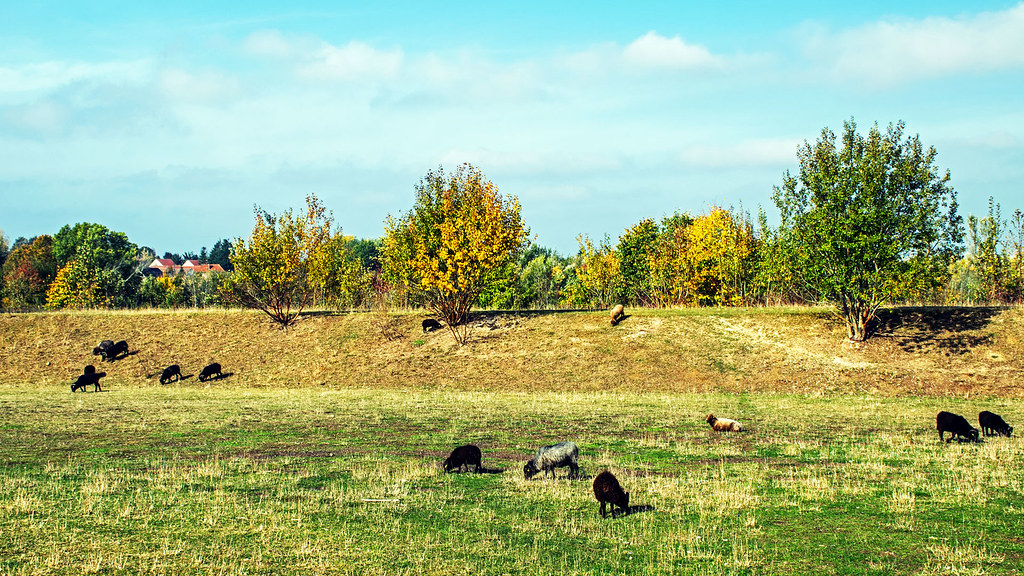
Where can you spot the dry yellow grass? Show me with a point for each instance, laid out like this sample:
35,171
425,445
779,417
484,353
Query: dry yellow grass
932,352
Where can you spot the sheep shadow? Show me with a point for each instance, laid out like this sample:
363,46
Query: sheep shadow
121,356
482,470
634,510
949,329
220,376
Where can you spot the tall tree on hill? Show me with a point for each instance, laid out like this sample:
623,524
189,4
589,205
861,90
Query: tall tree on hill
288,262
97,267
457,239
869,222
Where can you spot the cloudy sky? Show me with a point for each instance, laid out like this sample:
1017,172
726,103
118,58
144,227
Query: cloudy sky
170,122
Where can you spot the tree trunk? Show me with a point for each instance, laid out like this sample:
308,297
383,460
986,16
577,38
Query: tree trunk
857,314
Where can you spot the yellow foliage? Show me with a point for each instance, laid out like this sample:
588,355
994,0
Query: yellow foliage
703,263
459,233
287,261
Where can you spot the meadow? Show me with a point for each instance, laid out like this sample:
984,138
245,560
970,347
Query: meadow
340,473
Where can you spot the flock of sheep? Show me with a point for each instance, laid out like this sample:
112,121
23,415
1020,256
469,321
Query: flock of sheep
108,350
958,426
607,489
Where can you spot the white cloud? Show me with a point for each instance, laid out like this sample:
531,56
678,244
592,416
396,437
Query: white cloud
353,61
898,51
41,118
207,86
759,152
20,83
655,51
268,43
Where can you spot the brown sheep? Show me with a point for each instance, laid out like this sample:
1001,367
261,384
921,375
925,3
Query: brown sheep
724,424
607,490
617,314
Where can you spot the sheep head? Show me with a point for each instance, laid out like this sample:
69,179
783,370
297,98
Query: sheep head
529,470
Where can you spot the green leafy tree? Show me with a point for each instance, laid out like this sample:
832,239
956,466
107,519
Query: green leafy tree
288,262
106,267
870,221
457,240
635,249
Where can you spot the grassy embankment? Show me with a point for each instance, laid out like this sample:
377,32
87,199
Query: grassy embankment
841,471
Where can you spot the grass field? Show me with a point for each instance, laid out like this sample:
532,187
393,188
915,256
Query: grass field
321,453
184,480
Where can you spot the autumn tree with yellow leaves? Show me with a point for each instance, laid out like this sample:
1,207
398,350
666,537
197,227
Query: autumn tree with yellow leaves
459,236
289,261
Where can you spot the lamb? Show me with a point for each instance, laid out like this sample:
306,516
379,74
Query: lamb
993,424
462,457
956,425
723,424
618,313
210,372
607,490
89,376
429,325
555,456
172,371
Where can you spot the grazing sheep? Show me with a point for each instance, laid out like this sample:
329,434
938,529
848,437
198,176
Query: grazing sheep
89,377
462,457
429,325
993,424
120,347
172,371
956,425
617,314
555,456
723,424
210,372
101,349
607,489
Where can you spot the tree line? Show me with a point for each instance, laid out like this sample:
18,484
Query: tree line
869,220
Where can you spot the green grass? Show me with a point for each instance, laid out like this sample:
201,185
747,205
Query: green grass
196,480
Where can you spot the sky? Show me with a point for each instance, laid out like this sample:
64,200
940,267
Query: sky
173,121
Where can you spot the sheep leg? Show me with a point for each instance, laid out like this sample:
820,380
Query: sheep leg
603,515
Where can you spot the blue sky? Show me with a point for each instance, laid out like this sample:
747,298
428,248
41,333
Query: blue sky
170,122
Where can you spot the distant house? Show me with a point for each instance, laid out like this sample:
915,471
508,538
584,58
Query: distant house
167,267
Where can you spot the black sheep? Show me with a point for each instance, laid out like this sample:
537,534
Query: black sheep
112,353
210,372
607,490
101,349
993,424
172,371
429,325
462,457
89,377
956,425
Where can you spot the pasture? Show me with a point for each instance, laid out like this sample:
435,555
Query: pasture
319,452
196,479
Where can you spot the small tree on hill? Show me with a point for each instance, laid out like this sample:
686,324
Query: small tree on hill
460,234
288,261
870,222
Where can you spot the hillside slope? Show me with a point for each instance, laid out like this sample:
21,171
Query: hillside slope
927,351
